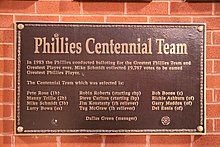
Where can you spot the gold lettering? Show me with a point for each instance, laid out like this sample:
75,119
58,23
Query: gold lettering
93,47
38,43
159,41
166,48
57,45
87,45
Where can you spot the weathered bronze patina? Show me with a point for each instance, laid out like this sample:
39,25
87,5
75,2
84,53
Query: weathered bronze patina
74,78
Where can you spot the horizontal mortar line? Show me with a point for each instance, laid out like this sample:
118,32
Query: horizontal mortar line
212,59
69,15
210,31
217,74
7,134
7,104
217,103
214,30
34,14
134,15
101,16
212,88
6,58
127,15
213,73
214,118
6,118
211,133
6,74
213,45
151,15
214,16
44,21
46,14
157,15
10,29
10,134
119,15
168,16
209,89
106,16
11,117
27,14
7,88
212,103
5,13
9,43
5,42
191,16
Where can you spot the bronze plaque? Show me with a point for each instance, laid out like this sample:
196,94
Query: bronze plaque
93,78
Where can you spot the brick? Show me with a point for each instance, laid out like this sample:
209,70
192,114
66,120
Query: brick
6,81
209,125
17,6
6,50
57,7
6,111
213,23
183,8
213,52
6,21
125,19
217,8
209,67
217,125
212,110
217,66
36,18
127,141
170,19
208,38
81,141
209,96
82,18
7,66
152,8
103,8
206,141
35,141
6,36
5,141
170,141
217,95
213,81
6,96
216,37
6,126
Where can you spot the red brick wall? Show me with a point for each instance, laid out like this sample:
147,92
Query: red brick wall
72,11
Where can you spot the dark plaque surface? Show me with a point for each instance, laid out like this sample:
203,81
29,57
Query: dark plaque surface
74,78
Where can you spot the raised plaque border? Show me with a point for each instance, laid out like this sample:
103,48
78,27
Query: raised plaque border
200,26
